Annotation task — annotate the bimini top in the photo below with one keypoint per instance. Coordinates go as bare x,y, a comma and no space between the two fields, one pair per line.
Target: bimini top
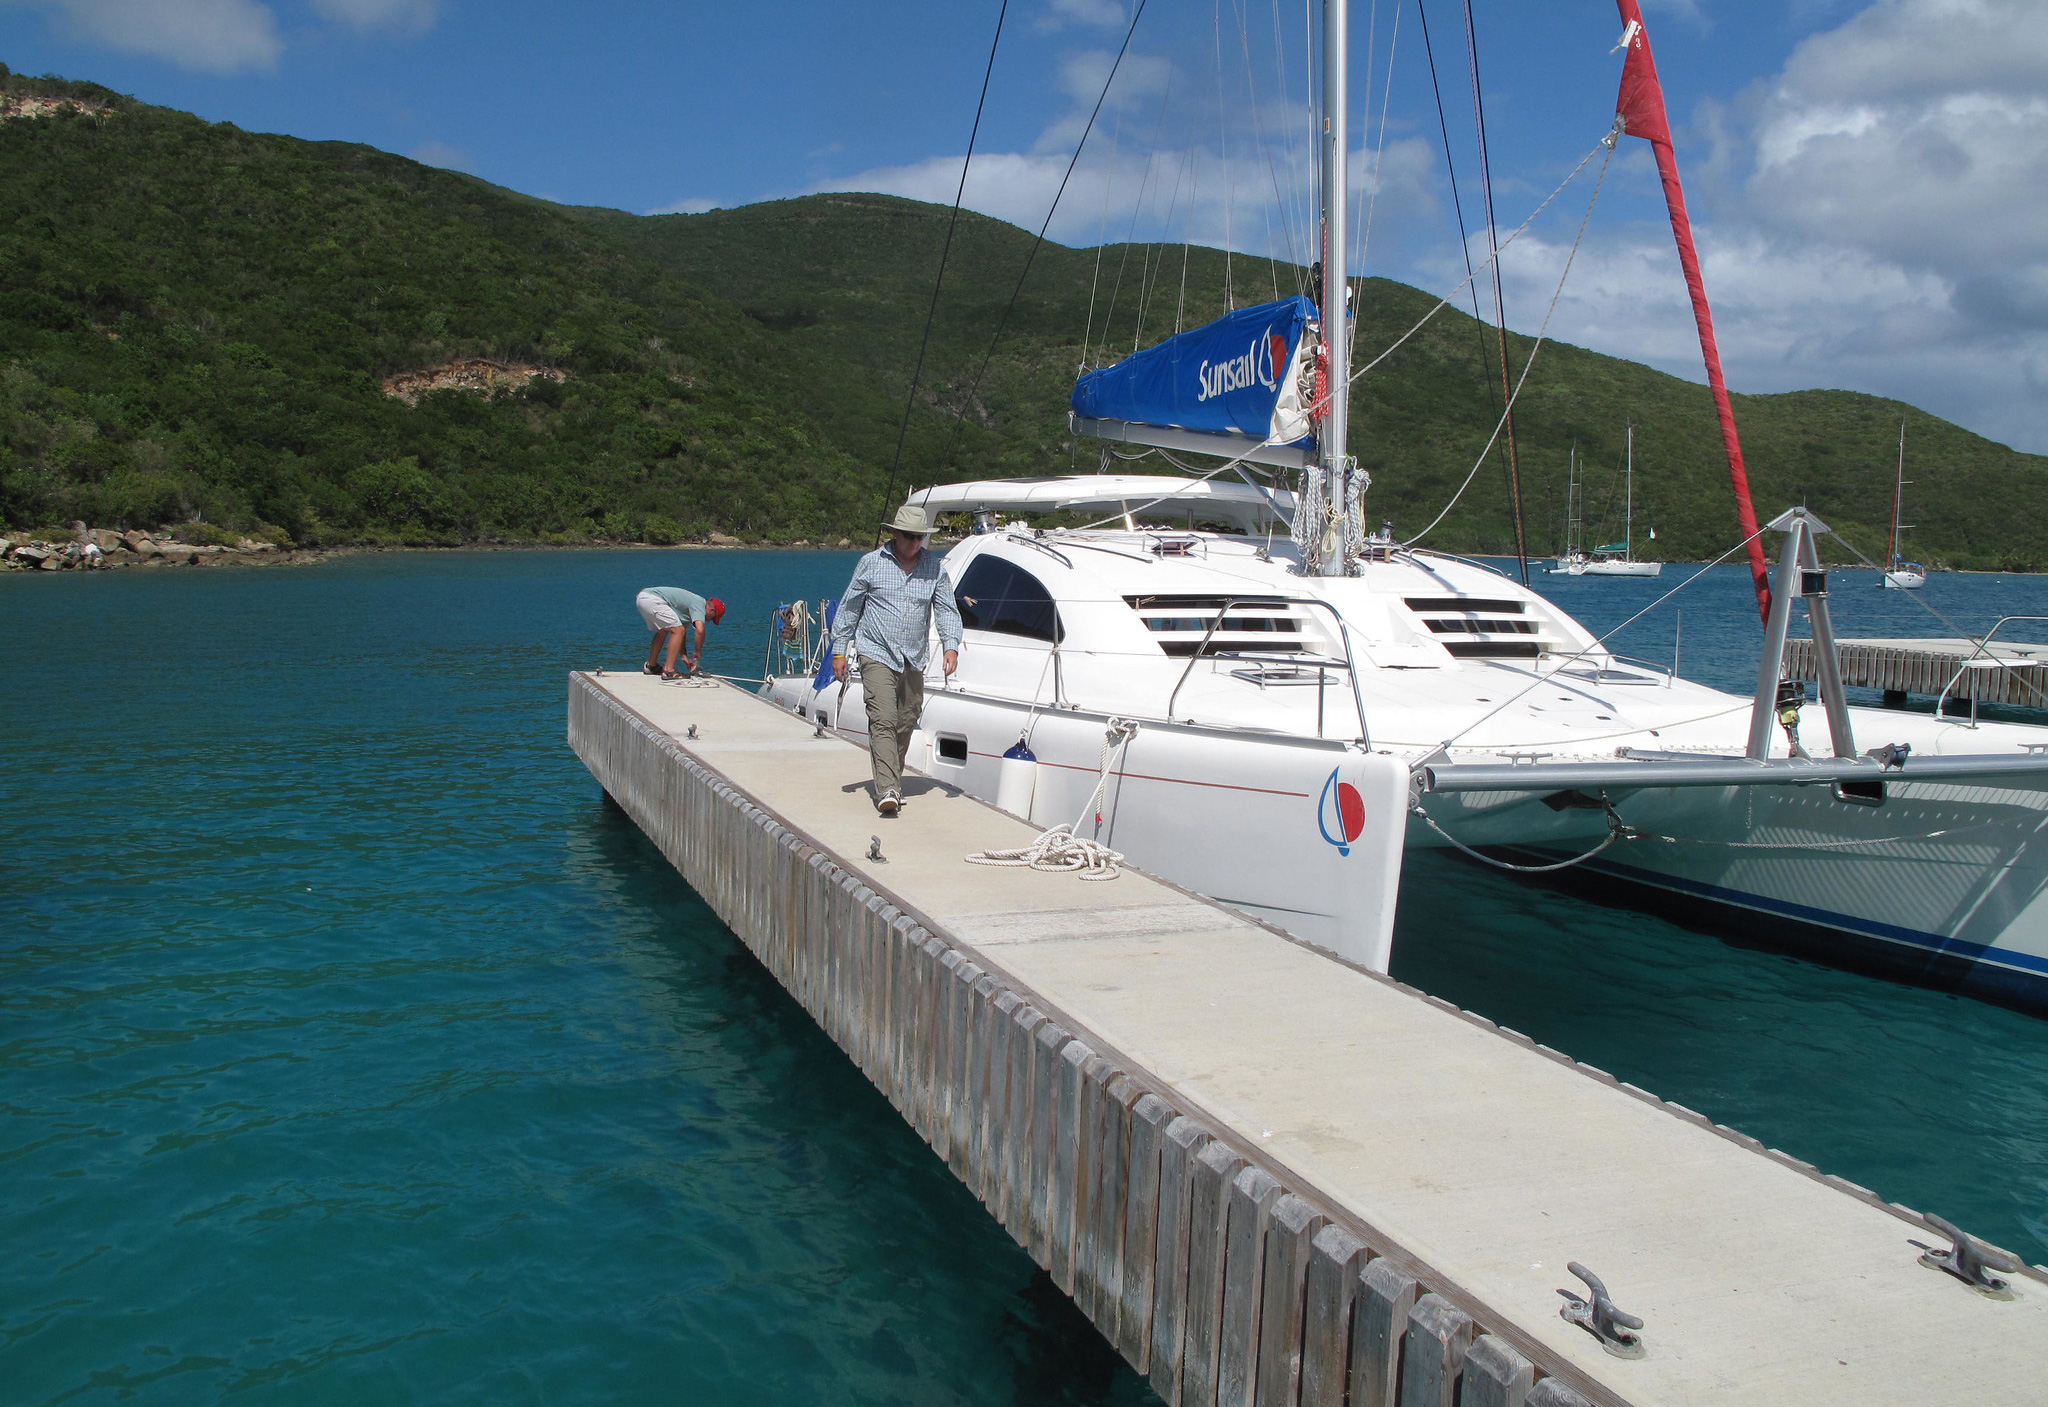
1155,498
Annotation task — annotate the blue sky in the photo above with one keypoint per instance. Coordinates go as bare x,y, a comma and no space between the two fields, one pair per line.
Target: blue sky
1868,179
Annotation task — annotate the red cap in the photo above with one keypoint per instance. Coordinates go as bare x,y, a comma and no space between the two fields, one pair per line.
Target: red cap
715,608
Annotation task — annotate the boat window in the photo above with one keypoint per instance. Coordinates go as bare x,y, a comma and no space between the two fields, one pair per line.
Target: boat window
1251,624
1463,603
1001,596
1494,649
1467,625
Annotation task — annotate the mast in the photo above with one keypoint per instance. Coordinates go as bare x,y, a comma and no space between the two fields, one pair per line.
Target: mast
1628,500
1336,428
1891,552
1572,524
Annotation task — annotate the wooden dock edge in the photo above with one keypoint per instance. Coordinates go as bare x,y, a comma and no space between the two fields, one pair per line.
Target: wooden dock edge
1212,1273
996,1079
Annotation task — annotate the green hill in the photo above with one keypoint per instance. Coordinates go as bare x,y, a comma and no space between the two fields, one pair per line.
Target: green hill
196,320
843,281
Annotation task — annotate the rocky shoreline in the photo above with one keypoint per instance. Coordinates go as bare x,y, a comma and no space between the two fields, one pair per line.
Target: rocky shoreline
98,549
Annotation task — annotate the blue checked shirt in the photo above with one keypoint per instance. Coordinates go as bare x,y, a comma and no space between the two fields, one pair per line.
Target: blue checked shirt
887,613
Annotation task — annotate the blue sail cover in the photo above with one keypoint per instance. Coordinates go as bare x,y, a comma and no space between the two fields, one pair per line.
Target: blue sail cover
1239,375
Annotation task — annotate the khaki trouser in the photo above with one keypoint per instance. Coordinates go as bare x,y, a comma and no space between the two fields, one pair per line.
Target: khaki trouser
895,699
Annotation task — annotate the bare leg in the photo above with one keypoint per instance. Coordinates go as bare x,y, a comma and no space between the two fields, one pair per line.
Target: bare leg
654,648
675,643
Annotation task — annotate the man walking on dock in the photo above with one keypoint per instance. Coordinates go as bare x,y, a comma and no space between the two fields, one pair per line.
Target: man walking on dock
885,619
669,612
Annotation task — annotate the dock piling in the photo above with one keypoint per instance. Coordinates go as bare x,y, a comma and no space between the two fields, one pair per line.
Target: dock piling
1433,1352
1386,1292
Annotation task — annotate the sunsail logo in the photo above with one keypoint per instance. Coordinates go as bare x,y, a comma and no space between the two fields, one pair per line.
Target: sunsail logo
1261,363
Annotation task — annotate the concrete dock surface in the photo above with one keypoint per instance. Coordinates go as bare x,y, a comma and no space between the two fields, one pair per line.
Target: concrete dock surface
1467,1153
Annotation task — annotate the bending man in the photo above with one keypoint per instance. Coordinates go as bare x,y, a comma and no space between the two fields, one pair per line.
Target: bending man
669,612
885,619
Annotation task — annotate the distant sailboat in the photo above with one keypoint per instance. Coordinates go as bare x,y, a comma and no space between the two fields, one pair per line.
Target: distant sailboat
1899,574
1613,558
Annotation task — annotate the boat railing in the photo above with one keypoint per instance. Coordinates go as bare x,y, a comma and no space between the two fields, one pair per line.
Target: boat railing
1454,557
1978,659
1347,665
797,641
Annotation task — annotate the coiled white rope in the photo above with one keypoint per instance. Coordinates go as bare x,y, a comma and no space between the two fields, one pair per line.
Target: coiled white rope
1056,851
1059,850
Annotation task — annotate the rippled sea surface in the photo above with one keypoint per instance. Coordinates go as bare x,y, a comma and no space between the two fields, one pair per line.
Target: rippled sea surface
352,1050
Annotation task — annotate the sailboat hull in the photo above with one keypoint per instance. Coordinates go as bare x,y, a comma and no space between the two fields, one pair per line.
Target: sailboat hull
1899,889
1904,581
1622,569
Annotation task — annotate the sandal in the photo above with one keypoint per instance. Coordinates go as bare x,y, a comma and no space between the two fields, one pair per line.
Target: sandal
650,669
669,676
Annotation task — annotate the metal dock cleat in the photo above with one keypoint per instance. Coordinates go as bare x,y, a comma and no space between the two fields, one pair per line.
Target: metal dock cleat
691,735
1969,1260
875,850
1600,1318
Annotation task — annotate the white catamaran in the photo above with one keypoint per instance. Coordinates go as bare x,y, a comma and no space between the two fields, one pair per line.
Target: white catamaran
1239,688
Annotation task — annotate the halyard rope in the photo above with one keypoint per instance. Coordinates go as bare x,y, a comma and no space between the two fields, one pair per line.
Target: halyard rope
1058,850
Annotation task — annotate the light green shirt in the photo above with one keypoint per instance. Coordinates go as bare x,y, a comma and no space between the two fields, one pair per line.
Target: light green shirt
687,605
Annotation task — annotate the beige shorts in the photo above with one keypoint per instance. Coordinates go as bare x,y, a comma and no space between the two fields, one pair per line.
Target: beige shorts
658,614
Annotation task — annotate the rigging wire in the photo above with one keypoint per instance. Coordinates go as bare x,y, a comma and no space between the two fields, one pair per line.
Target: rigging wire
1527,366
945,252
1457,204
1500,316
1003,322
1251,91
1445,301
1537,680
1960,633
1223,156
1116,135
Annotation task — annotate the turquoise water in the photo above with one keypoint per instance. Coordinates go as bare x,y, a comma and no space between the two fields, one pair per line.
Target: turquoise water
354,1051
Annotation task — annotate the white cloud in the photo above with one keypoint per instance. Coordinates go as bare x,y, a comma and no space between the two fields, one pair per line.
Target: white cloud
1064,14
400,16
1880,223
212,36
438,153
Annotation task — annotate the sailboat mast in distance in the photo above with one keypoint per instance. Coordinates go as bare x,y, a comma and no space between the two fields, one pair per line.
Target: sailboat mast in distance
1891,549
1628,499
1335,436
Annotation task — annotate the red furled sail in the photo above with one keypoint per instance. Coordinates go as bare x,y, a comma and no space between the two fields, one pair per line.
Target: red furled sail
1640,106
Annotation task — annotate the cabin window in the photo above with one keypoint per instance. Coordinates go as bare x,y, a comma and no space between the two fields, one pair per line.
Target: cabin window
953,748
1001,596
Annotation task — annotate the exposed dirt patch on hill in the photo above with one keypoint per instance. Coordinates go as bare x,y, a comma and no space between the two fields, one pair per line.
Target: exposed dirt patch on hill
473,374
32,105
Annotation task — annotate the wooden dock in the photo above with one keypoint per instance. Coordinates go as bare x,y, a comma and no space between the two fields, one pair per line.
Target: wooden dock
1268,1177
2015,674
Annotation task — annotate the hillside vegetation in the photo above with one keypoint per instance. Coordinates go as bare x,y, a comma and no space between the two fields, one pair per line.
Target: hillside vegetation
197,321
844,280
